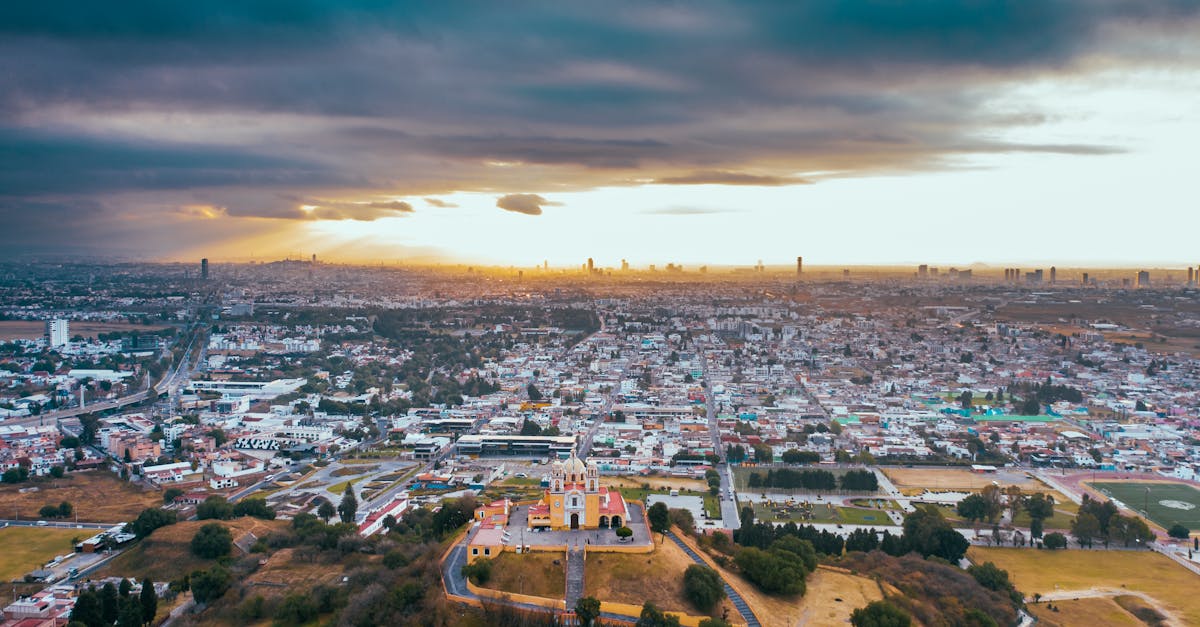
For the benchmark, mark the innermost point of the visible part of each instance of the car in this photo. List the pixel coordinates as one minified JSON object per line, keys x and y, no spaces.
{"x":42,"y":523}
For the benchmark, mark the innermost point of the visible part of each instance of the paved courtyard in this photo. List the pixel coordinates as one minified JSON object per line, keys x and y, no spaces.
{"x":599,"y":537}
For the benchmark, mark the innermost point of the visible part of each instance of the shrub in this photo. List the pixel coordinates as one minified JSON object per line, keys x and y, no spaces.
{"x":703,"y":587}
{"x":880,"y":614}
{"x":212,"y":541}
{"x":1055,"y":541}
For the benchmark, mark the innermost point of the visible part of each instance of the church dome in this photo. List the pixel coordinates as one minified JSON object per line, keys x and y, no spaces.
{"x":574,"y":466}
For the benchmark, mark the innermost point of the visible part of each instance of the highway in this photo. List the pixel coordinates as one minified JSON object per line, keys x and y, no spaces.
{"x":729,"y":510}
{"x":56,"y":524}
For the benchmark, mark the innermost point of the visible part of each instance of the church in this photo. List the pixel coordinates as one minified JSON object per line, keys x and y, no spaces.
{"x":576,"y":500}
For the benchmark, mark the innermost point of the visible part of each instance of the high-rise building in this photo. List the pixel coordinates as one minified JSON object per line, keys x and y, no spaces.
{"x":1053,"y":274}
{"x":58,"y":332}
{"x":1191,"y":279}
{"x":923,"y":270}
{"x":799,"y":266}
{"x":1085,"y":278}
{"x":1143,"y":278}
{"x":204,"y":269}
{"x":591,"y":266}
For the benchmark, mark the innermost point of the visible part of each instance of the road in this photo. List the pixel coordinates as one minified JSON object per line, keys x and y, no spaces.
{"x":56,"y":524}
{"x":730,"y":517}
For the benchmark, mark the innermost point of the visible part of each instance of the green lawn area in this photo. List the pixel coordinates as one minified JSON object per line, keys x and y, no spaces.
{"x":1060,"y":519}
{"x":1166,"y":504}
{"x":28,"y":548}
{"x":340,"y":488}
{"x":859,"y":516}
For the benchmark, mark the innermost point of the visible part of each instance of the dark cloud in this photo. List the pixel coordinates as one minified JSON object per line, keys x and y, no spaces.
{"x":729,"y":178}
{"x":528,"y":204}
{"x":240,"y":109}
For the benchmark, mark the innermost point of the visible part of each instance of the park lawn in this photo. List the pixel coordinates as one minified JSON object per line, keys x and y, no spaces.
{"x":28,"y":548}
{"x":1084,"y":613}
{"x":356,"y":469}
{"x":340,"y":488}
{"x":712,"y":507}
{"x":821,"y":513}
{"x":635,"y":578}
{"x":1039,"y":571}
{"x":1060,"y":520}
{"x":859,"y":516}
{"x":97,"y":496}
{"x":534,"y":574}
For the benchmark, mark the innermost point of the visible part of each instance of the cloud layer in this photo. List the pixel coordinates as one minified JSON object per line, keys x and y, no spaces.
{"x":224,"y":110}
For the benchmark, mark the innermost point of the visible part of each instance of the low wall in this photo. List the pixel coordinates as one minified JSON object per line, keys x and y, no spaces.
{"x":499,"y":595}
{"x":636,"y":610}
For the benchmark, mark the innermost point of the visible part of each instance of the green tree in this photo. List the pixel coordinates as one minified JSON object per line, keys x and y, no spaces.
{"x":170,"y":494}
{"x":57,"y":472}
{"x":880,"y":614}
{"x":654,"y":617}
{"x":349,"y":505}
{"x":213,"y":540}
{"x":1085,"y":528}
{"x":624,"y":532}
{"x":130,"y":613}
{"x":587,"y":609}
{"x":87,"y":610}
{"x":1055,"y":540}
{"x":479,"y":571}
{"x":149,"y":601}
{"x":326,"y":510}
{"x":209,"y":585}
{"x":973,"y":507}
{"x":703,"y":587}
{"x":1179,"y":532}
{"x":660,"y":517}
{"x":150,"y":519}
{"x":256,"y":507}
{"x":109,"y":603}
{"x":125,"y":588}
{"x":214,"y":508}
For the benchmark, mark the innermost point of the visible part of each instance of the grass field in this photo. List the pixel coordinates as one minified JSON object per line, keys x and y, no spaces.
{"x":28,"y":548}
{"x":97,"y":496}
{"x":530,"y":573}
{"x":1166,"y":504}
{"x":914,"y":481}
{"x":741,"y":479}
{"x":635,"y":578}
{"x":1083,"y":613}
{"x":822,"y":513}
{"x":1034,"y":571}
{"x":33,"y":329}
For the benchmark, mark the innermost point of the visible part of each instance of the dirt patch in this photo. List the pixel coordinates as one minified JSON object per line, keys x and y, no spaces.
{"x":1082,"y":613}
{"x":635,"y":578}
{"x":657,"y":483}
{"x":530,"y":573}
{"x":33,"y":329}
{"x":96,"y":495}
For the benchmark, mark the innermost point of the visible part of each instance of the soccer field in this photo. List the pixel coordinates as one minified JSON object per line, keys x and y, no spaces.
{"x":1166,"y":503}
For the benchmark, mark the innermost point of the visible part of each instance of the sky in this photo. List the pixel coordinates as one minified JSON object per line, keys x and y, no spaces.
{"x":513,"y":133}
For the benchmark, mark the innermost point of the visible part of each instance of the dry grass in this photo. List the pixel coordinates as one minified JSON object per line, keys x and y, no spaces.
{"x":832,"y":596}
{"x":33,"y":329}
{"x":97,"y":495}
{"x":1083,"y":613}
{"x":1034,"y":571}
{"x":28,"y":548}
{"x":534,"y":574}
{"x":167,"y":553}
{"x":282,"y":567}
{"x":635,"y":578}
{"x":656,"y":483}
{"x":914,"y":481}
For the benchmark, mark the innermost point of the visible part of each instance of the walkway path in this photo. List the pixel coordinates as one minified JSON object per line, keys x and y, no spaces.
{"x":574,"y":576}
{"x":738,"y":602}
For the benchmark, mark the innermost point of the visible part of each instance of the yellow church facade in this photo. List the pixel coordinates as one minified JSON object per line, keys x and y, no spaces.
{"x":576,"y":500}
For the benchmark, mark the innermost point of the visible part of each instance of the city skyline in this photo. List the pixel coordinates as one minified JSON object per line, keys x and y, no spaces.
{"x":701,"y":134}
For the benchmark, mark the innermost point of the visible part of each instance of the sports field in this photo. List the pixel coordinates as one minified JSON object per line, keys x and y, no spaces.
{"x":1165,"y":504}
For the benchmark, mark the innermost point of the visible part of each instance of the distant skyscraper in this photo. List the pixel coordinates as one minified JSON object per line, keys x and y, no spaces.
{"x":799,"y":266}
{"x":314,"y":260}
{"x":1143,"y":278}
{"x":1053,"y":274}
{"x":922,"y":271}
{"x":204,"y":269}
{"x":624,"y":265}
{"x":1190,"y":278}
{"x":58,"y":332}
{"x":591,"y":267}
{"x":1085,"y":278}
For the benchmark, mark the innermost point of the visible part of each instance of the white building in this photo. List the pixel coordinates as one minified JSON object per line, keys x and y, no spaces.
{"x":58,"y":332}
